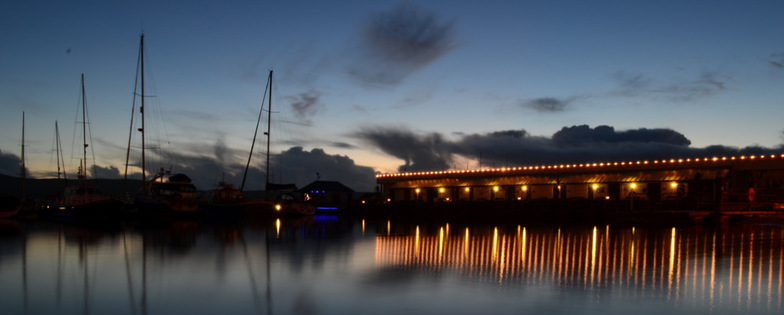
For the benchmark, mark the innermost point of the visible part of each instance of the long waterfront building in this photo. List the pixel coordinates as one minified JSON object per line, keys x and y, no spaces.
{"x":713,"y":182}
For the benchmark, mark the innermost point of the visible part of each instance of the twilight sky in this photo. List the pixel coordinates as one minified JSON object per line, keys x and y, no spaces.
{"x":384,"y":86}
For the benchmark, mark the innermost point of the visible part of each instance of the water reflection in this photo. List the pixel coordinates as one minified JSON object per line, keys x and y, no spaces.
{"x":709,"y":270}
{"x":146,"y":268}
{"x":336,"y":265}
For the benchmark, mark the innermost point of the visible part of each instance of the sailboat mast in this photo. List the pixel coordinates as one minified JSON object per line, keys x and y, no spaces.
{"x":141,"y":108}
{"x":133,"y":112}
{"x":269,"y":120}
{"x":253,"y":144}
{"x":57,"y":147}
{"x":84,"y":134}
{"x":24,"y":171}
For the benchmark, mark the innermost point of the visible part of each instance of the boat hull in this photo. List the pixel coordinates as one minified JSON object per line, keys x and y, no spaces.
{"x":157,"y":206}
{"x":104,"y":207}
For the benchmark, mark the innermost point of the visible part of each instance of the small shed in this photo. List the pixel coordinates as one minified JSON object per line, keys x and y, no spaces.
{"x":328,"y":196}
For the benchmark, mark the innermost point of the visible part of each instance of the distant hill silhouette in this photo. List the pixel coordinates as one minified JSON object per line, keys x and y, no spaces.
{"x":46,"y":188}
{"x":49,"y":188}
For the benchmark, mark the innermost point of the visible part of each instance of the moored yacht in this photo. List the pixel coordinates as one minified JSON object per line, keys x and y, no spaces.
{"x":175,"y":195}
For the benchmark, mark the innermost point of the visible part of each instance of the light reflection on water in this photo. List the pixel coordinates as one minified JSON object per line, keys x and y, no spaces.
{"x":708,"y":270}
{"x":330,"y":265}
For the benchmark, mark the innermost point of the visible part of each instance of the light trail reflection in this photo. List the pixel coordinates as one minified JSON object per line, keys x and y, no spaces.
{"x":713,"y":269}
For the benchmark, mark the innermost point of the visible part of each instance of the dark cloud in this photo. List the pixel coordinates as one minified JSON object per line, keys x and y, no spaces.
{"x":358,"y":108}
{"x":581,"y":144}
{"x":305,"y":105}
{"x":109,"y":172}
{"x":712,"y":80}
{"x":10,"y":164}
{"x":776,"y":60}
{"x":94,"y":171}
{"x":205,"y":165}
{"x":547,"y":104}
{"x":221,"y":150}
{"x":420,"y":152}
{"x":417,"y":97}
{"x":343,"y":145}
{"x":708,"y":83}
{"x":205,"y":171}
{"x":584,"y":135}
{"x":576,"y":144}
{"x":298,"y":166}
{"x":631,"y":84}
{"x":291,"y":166}
{"x":399,"y":42}
{"x":496,"y":148}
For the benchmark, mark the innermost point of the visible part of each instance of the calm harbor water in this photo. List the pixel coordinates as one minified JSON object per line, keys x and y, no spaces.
{"x":331,"y":265}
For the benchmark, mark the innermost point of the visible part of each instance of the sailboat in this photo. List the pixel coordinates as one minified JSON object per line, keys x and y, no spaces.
{"x":160,"y":195}
{"x":228,"y":199}
{"x":83,"y":198}
{"x":286,"y":201}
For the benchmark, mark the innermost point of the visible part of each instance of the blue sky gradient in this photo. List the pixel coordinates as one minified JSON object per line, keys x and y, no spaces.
{"x":385,"y":86}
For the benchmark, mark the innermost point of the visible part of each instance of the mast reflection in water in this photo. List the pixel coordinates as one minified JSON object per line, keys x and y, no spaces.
{"x":714,"y":271}
{"x":335,"y":265}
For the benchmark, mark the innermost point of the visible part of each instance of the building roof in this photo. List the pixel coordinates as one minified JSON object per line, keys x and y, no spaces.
{"x":322,"y":185}
{"x":673,"y":169}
